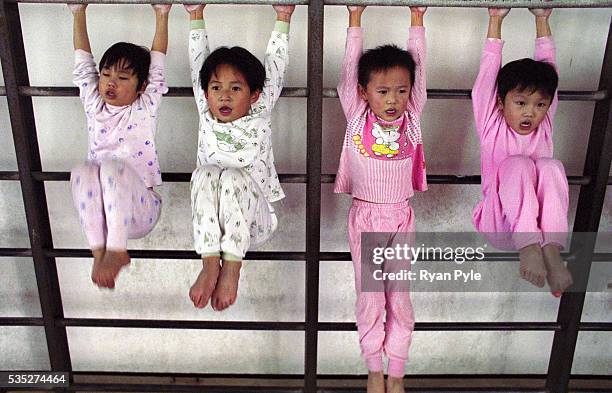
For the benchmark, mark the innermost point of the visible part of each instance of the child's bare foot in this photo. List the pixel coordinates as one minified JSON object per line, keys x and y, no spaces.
{"x":226,"y":290}
{"x":532,"y":265}
{"x":376,"y":382}
{"x":395,"y":385}
{"x":557,"y":275}
{"x":203,"y":287}
{"x":107,"y":264}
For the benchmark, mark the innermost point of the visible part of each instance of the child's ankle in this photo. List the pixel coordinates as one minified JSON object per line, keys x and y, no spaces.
{"x":227,"y":257}
{"x":208,"y":260}
{"x":395,"y":369}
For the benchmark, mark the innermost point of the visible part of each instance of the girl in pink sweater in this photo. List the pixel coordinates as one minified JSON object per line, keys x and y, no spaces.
{"x":382,"y":93}
{"x":525,"y":190}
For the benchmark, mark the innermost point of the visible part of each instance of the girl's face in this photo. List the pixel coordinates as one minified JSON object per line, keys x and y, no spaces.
{"x":117,"y":84}
{"x":388,"y":92}
{"x":228,"y":94}
{"x":524,"y":110}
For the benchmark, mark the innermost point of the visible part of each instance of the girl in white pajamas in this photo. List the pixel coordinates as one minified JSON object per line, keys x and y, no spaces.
{"x":235,"y":181}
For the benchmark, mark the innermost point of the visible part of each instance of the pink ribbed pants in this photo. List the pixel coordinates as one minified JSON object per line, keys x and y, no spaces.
{"x":113,"y":203}
{"x":393,"y":334}
{"x":529,"y":207}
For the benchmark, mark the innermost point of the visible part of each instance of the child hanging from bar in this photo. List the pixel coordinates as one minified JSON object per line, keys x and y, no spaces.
{"x":113,"y":191}
{"x":382,"y":93}
{"x":525,"y":190}
{"x":235,"y":181}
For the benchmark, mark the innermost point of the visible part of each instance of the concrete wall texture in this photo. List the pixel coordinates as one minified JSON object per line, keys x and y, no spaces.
{"x":274,"y":291}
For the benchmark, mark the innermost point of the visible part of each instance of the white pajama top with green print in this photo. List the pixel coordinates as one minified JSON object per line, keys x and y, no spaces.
{"x":245,"y":143}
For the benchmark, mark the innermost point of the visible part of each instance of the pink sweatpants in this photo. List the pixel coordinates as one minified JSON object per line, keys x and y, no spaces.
{"x":375,"y":333}
{"x":113,"y":203}
{"x":529,"y":206}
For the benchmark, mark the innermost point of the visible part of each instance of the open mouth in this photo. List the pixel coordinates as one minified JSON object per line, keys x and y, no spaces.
{"x":111,"y":95}
{"x":225,"y":110}
{"x":525,"y":125}
{"x":391,"y":112}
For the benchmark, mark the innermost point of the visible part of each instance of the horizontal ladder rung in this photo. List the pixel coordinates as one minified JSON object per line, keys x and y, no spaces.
{"x":286,"y":178}
{"x":464,"y":94}
{"x":429,"y":3}
{"x":261,"y":255}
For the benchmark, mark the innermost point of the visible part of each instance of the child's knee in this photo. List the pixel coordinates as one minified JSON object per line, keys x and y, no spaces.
{"x":370,"y":305}
{"x":400,"y":306}
{"x":84,"y":173}
{"x":549,"y":166}
{"x":231,"y":176}
{"x":112,"y":172}
{"x":517,"y":164}
{"x":205,"y":176}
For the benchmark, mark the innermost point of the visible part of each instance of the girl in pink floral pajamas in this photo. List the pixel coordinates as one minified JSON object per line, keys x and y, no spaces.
{"x":113,"y":191}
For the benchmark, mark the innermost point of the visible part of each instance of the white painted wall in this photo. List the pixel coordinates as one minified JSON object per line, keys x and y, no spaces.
{"x":274,"y":291}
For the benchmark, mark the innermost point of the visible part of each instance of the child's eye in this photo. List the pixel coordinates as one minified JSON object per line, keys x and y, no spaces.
{"x":382,"y":91}
{"x":105,"y":74}
{"x":521,"y":103}
{"x":236,"y":88}
{"x":124,"y":78}
{"x":403,"y":91}
{"x":214,"y":88}
{"x":541,"y":105}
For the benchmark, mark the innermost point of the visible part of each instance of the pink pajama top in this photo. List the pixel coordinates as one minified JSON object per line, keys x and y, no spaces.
{"x":381,"y":162}
{"x":497,"y":140}
{"x":122,"y":132}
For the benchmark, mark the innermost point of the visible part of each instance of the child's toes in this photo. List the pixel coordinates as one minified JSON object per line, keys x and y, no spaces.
{"x":214,"y":301}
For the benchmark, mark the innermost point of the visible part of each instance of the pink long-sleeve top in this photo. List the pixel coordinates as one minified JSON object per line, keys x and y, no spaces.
{"x":381,"y":162}
{"x":123,"y":132}
{"x":498,"y":140}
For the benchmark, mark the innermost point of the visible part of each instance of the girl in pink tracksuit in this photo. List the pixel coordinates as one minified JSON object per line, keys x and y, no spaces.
{"x":382,"y":94}
{"x":525,"y":190}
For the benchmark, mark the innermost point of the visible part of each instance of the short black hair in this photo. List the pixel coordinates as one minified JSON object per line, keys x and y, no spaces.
{"x":137,"y":58}
{"x":383,"y":58}
{"x":527,"y":74}
{"x":241,"y":59}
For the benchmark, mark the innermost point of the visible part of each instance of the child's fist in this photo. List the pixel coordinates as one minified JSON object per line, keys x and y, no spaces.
{"x":284,"y":9}
{"x":355,"y":8}
{"x":163,"y":8}
{"x":76,"y":7}
{"x":283,"y":12}
{"x":541,"y":11}
{"x":193,"y":7}
{"x":502,"y":12}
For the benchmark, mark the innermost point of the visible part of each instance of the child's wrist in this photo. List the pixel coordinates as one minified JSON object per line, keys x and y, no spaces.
{"x":282,"y":17}
{"x":416,"y":19}
{"x":196,"y":15}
